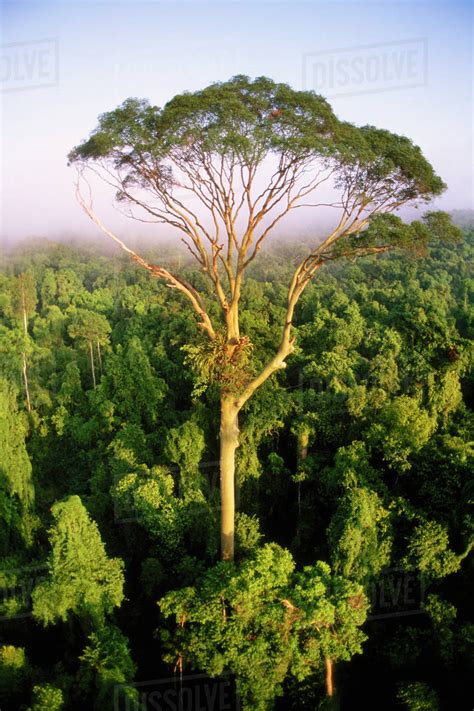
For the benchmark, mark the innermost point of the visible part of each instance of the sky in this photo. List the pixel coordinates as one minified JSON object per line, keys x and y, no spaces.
{"x":403,"y":66}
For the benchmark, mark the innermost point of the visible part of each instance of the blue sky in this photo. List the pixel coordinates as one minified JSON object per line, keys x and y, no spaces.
{"x":408,"y":68}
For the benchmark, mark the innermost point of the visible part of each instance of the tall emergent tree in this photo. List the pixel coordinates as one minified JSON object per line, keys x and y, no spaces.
{"x":247,"y":153}
{"x":23,"y":304}
{"x":91,"y":329}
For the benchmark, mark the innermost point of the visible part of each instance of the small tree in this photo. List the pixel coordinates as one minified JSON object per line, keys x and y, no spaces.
{"x":15,"y":673}
{"x":107,"y":668}
{"x":82,"y":579}
{"x":17,"y":492}
{"x":92,"y":330}
{"x":184,"y":447}
{"x":417,"y":696}
{"x":248,"y":153}
{"x":47,"y":696}
{"x":23,"y":303}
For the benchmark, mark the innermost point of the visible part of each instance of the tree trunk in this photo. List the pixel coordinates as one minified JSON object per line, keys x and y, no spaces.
{"x":24,"y":367}
{"x":23,"y":303}
{"x":91,"y":352}
{"x":303,"y":442}
{"x":302,"y":454}
{"x":25,"y":380}
{"x":329,"y":677}
{"x":229,"y":441}
{"x":99,"y":356}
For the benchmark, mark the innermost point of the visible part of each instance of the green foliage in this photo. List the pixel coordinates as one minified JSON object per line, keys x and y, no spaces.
{"x":107,"y":669}
{"x":82,"y":580}
{"x":233,"y":118}
{"x":403,"y":428}
{"x":15,"y":673}
{"x":87,"y":326}
{"x":16,"y":466}
{"x":387,"y":231}
{"x":16,"y":484}
{"x":372,"y":156}
{"x":17,"y":579}
{"x":48,"y":288}
{"x":47,"y":696}
{"x":68,"y":399}
{"x":185,"y":446}
{"x":247,"y":534}
{"x":148,"y":497}
{"x":265,"y":415}
{"x":442,"y":615}
{"x":132,"y":385}
{"x":380,"y":381}
{"x":23,"y":296}
{"x":359,"y":535}
{"x":360,"y":532}
{"x":417,"y":696}
{"x":248,"y":121}
{"x":262,"y":620}
{"x":428,"y":551}
{"x":383,"y":371}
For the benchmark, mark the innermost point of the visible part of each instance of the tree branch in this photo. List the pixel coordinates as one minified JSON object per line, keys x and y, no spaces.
{"x":172,"y":280}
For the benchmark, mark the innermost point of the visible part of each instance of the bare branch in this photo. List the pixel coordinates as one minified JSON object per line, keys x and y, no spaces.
{"x":172,"y":280}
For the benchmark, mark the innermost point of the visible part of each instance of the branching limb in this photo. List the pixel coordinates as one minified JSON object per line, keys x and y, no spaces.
{"x":301,"y":278}
{"x":172,"y":280}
